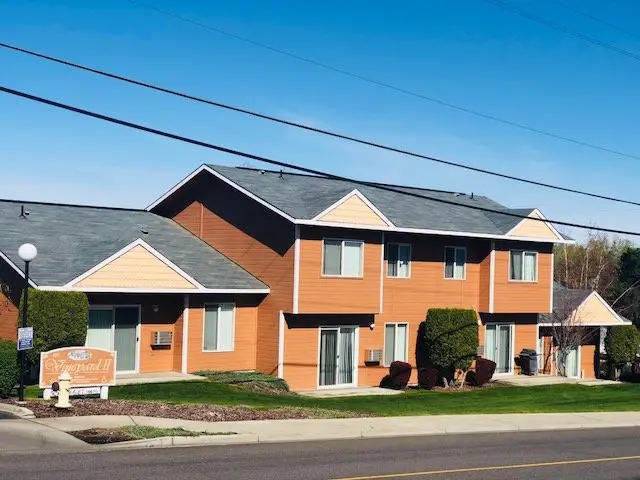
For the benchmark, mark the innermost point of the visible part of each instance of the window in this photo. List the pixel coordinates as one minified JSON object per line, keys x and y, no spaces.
{"x":395,"y":342}
{"x":398,"y":258}
{"x":342,"y":258}
{"x":523,"y":266}
{"x":218,"y":327}
{"x":455,"y":259}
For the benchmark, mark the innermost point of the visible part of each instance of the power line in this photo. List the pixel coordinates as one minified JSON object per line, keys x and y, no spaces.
{"x":279,"y":163}
{"x":566,"y":30}
{"x":595,"y":19}
{"x":313,"y":129}
{"x":382,"y":84}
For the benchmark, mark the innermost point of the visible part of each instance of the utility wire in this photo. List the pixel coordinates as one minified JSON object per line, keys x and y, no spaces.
{"x":382,"y":84}
{"x":313,"y":129}
{"x":595,"y":19}
{"x":561,"y":28}
{"x":279,"y":163}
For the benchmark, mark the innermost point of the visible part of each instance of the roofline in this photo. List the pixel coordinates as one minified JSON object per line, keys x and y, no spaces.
{"x":606,"y":305}
{"x":76,"y":205}
{"x":317,"y":223}
{"x":138,"y":242}
{"x":57,"y":288}
{"x":17,"y":269}
{"x":536,"y":211}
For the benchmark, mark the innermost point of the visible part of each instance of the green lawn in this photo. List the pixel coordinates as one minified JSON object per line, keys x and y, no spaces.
{"x":553,"y":398}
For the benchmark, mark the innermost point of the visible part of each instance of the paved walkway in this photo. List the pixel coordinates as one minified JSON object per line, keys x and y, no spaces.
{"x":163,"y":377}
{"x":537,"y":380}
{"x":28,"y":436}
{"x":300,"y":430}
{"x":349,"y":392}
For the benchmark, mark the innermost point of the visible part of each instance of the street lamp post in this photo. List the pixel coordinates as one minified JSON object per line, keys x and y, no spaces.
{"x":27,"y":252}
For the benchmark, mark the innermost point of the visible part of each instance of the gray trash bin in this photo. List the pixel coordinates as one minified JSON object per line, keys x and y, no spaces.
{"x":529,"y":361}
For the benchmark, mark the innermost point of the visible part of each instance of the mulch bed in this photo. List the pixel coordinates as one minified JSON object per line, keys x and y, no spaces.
{"x":199,"y":412}
{"x":102,"y":436}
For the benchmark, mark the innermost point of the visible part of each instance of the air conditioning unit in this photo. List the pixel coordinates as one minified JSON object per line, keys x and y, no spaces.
{"x":161,"y":339}
{"x":374,"y":355}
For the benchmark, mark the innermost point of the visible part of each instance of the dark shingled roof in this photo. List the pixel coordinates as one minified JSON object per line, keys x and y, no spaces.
{"x":565,"y":301}
{"x":72,"y":239}
{"x":305,"y":196}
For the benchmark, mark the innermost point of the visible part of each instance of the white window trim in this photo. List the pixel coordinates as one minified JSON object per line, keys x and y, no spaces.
{"x":512,"y":332}
{"x":399,"y":244}
{"x":233,"y":326}
{"x":464,"y":268}
{"x":395,"y":341}
{"x":343,"y":240}
{"x":356,"y":354}
{"x":523,"y":255}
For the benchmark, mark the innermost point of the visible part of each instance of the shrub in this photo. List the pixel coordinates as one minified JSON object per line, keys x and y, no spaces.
{"x":485,"y":369}
{"x":236,"y":378}
{"x":398,"y":378}
{"x":9,"y":370}
{"x":428,"y":377}
{"x":59,"y":319}
{"x":422,"y":356}
{"x":622,"y":344}
{"x":451,"y":336}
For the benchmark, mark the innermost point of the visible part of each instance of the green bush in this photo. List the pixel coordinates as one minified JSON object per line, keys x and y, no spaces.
{"x":622,"y":345}
{"x":451,"y":336}
{"x":59,"y":319}
{"x":9,"y":370}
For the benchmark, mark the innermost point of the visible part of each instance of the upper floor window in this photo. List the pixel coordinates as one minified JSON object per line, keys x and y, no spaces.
{"x":217,"y":335}
{"x":398,"y":260}
{"x":455,"y":260}
{"x":342,"y":258}
{"x":523,"y":266}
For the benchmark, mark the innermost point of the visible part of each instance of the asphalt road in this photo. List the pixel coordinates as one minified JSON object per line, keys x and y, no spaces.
{"x":593,"y":454}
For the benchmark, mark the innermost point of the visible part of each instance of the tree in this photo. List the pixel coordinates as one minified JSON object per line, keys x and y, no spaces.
{"x":451,"y":336}
{"x":59,"y":319}
{"x":592,"y":265}
{"x":567,"y":327}
{"x":627,"y":291}
{"x":622,"y":344}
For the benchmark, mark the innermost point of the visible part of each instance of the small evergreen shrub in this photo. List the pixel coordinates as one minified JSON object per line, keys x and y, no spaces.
{"x":622,"y":344}
{"x":9,"y":369}
{"x":59,"y":319}
{"x":428,"y":377}
{"x":483,"y":372}
{"x":399,"y":376}
{"x":451,"y":337}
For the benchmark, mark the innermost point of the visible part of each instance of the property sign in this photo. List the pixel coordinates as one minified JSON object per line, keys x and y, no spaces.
{"x":25,"y":338}
{"x":88,"y":367}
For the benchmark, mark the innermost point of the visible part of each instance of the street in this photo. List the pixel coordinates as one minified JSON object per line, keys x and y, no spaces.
{"x":599,"y":453}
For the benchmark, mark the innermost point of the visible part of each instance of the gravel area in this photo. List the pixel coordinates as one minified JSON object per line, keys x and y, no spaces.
{"x":200,"y":412}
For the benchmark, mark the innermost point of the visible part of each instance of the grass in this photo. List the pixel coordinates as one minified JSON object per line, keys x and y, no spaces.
{"x":552,"y":398}
{"x":101,"y":436}
{"x":140,"y":432}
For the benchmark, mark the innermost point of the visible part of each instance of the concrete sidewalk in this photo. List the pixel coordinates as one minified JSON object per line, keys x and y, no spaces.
{"x":27,"y":436}
{"x":352,"y":428}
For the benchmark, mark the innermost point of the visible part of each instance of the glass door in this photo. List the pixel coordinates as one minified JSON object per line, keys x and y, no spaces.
{"x":125,"y":338}
{"x":498,"y":346}
{"x":337,"y":356}
{"x":568,"y":365}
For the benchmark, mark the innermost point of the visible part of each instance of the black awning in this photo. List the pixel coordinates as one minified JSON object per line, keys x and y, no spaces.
{"x":313,"y":320}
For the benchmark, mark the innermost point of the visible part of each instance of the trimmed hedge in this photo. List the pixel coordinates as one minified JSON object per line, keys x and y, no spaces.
{"x":9,"y":369}
{"x":234,"y":378}
{"x":428,"y":377}
{"x":398,"y":378}
{"x":483,"y":372}
{"x":451,"y":336}
{"x":622,"y":344}
{"x":59,"y":319}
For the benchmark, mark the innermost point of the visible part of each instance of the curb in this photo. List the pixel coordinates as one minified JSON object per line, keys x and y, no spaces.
{"x":20,"y":412}
{"x":201,"y":440}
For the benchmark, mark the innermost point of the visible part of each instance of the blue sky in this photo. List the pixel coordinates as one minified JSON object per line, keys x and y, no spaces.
{"x":469,"y":52}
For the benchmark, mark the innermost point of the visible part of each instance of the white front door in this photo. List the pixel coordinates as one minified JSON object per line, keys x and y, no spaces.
{"x":338,"y":357}
{"x":498,"y":346}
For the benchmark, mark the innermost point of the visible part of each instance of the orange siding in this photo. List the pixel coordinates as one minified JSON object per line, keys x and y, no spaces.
{"x":249,"y":234}
{"x":177,"y":335}
{"x":10,"y":293}
{"x":301,"y":358}
{"x":526,"y":336}
{"x":320,"y":294}
{"x":522,"y":297}
{"x":243,"y":356}
{"x":484,"y":280}
{"x":587,"y":361}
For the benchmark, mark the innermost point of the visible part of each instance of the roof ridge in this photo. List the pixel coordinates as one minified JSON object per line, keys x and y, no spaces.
{"x":75,"y":205}
{"x":299,"y":174}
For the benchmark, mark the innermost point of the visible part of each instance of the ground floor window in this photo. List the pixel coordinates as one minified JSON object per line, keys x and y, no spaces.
{"x":498,"y":346}
{"x":395,"y":342}
{"x":218,"y":327}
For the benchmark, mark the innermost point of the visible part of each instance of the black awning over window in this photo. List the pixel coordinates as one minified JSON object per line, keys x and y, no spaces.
{"x":313,"y":320}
